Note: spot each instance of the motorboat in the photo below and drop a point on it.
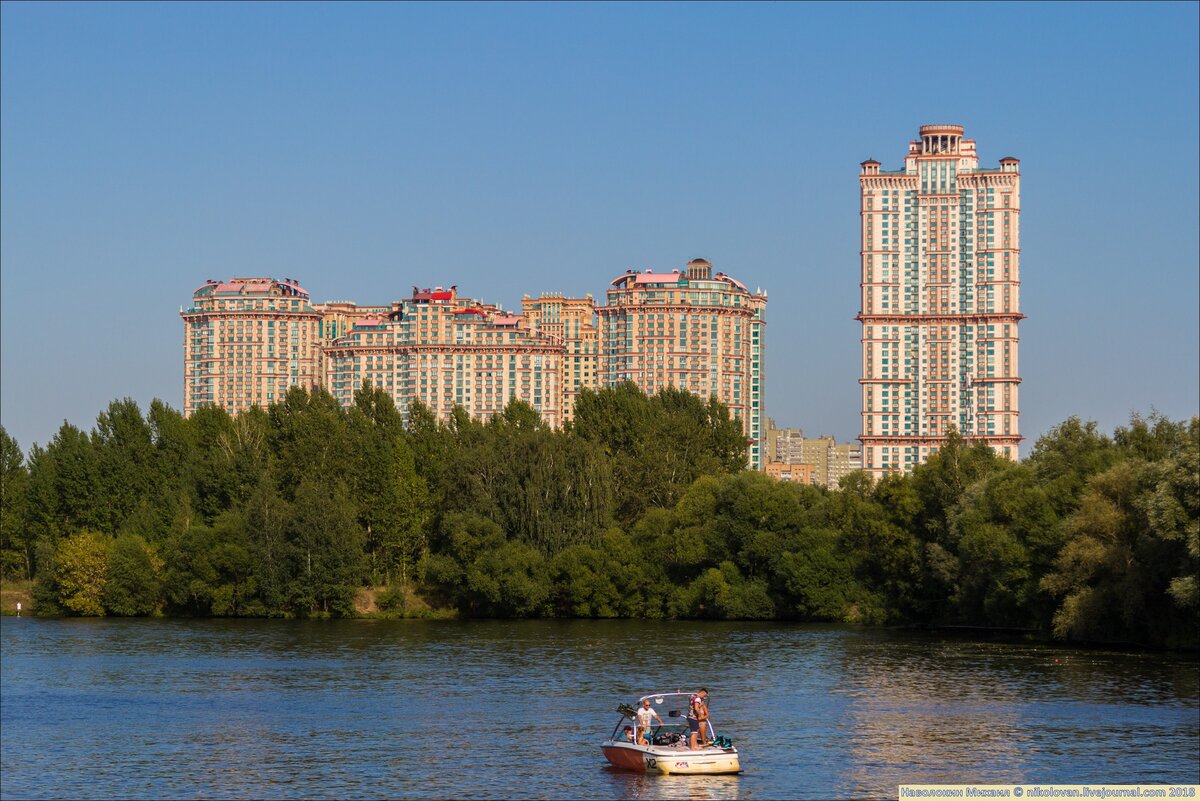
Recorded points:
(667, 749)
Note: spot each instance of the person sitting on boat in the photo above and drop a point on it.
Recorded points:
(697, 719)
(644, 715)
(629, 734)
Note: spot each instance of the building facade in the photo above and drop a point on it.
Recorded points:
(783, 444)
(448, 351)
(246, 341)
(573, 321)
(828, 459)
(337, 318)
(797, 473)
(940, 301)
(691, 330)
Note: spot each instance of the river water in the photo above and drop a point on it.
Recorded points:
(502, 709)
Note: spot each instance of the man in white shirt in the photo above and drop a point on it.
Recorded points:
(644, 716)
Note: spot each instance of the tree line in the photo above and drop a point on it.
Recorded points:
(639, 508)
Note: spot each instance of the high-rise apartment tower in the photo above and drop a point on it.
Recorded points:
(690, 330)
(245, 341)
(940, 301)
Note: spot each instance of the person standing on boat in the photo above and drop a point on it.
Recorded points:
(644, 715)
(697, 718)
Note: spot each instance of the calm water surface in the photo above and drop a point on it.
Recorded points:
(481, 709)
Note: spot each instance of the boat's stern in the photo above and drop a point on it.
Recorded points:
(704, 761)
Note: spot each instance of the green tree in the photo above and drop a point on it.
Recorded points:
(1009, 537)
(400, 532)
(81, 568)
(1127, 547)
(174, 492)
(1066, 457)
(492, 577)
(657, 445)
(210, 570)
(582, 577)
(817, 582)
(326, 550)
(124, 463)
(76, 476)
(132, 583)
(16, 546)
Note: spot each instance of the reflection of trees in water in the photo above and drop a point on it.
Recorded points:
(927, 710)
(937, 745)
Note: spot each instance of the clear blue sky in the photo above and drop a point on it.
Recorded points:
(507, 149)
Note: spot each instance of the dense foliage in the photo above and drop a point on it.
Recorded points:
(638, 509)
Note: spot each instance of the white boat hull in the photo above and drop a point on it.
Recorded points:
(672, 759)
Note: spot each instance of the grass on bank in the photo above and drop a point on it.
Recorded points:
(14, 591)
(395, 603)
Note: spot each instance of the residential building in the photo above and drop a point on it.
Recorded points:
(691, 330)
(940, 301)
(337, 317)
(830, 459)
(783, 444)
(841, 458)
(246, 341)
(797, 473)
(448, 351)
(572, 320)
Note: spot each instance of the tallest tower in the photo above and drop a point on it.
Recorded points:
(940, 301)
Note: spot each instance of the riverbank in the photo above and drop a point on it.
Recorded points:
(400, 603)
(13, 592)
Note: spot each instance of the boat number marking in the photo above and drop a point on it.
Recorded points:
(651, 762)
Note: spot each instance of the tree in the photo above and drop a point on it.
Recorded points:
(210, 570)
(1097, 574)
(16, 546)
(76, 477)
(941, 482)
(657, 445)
(1008, 538)
(401, 516)
(326, 550)
(124, 463)
(1128, 552)
(81, 568)
(1066, 457)
(487, 575)
(176, 456)
(132, 583)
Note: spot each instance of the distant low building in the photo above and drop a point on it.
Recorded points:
(796, 473)
(830, 459)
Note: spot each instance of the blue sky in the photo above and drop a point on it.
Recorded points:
(507, 149)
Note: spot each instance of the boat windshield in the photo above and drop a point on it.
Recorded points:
(672, 709)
